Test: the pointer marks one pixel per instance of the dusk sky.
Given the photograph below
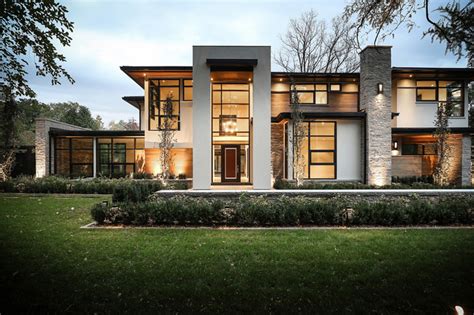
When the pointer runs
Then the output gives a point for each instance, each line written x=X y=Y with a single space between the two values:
x=109 y=34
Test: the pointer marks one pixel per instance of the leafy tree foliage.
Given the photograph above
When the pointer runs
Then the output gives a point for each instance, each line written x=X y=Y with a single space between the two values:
x=32 y=27
x=27 y=110
x=131 y=124
x=29 y=30
x=453 y=24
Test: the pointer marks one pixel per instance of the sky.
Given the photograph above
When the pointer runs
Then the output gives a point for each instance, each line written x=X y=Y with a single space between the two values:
x=110 y=34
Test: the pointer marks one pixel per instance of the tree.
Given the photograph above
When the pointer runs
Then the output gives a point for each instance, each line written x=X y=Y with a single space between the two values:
x=167 y=137
x=131 y=124
x=28 y=109
x=309 y=46
x=442 y=132
x=454 y=25
x=75 y=114
x=28 y=28
x=299 y=134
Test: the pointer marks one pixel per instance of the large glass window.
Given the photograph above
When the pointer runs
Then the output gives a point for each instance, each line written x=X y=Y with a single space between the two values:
x=164 y=114
x=119 y=157
x=319 y=150
x=74 y=157
x=444 y=92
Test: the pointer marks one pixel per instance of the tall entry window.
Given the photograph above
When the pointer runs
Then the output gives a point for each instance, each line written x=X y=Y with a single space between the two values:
x=231 y=132
x=319 y=150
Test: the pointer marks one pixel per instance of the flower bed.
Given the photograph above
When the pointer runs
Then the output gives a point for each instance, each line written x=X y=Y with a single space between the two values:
x=286 y=211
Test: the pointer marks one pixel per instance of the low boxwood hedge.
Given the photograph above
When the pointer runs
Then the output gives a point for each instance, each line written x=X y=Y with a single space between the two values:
x=124 y=189
x=397 y=183
x=286 y=211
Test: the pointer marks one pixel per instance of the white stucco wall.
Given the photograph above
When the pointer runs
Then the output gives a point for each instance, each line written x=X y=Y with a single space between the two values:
x=261 y=112
x=420 y=114
x=349 y=154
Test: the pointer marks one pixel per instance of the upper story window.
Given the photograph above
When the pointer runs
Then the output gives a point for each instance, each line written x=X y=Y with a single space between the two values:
x=187 y=90
x=312 y=93
x=164 y=114
x=444 y=92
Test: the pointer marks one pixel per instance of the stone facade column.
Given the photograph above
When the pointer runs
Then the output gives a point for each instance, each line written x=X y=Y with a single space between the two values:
x=466 y=163
x=375 y=69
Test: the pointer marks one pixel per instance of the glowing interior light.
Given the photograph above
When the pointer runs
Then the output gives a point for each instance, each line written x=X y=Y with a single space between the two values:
x=459 y=310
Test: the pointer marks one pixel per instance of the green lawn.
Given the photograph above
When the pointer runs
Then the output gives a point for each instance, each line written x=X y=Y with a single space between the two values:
x=49 y=265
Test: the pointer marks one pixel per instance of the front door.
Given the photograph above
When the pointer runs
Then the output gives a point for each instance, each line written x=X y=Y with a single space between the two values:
x=230 y=163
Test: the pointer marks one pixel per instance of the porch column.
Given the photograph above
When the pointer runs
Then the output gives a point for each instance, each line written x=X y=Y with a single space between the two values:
x=201 y=119
x=262 y=118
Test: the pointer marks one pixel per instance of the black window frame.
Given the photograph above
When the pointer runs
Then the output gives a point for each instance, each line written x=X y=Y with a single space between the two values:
x=110 y=164
x=437 y=89
x=184 y=88
x=152 y=106
x=334 y=151
x=70 y=151
x=314 y=92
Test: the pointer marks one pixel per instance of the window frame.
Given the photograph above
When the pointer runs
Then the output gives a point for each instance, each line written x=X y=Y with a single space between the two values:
x=309 y=151
x=111 y=154
x=187 y=86
x=437 y=94
x=314 y=92
x=150 y=103
x=70 y=151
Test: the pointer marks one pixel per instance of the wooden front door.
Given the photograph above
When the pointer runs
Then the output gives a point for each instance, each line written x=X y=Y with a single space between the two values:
x=230 y=163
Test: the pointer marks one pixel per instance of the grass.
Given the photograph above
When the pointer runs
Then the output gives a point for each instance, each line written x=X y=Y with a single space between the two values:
x=49 y=265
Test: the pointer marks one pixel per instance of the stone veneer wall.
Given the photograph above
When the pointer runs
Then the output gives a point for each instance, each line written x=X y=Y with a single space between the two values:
x=466 y=163
x=277 y=150
x=43 y=125
x=375 y=68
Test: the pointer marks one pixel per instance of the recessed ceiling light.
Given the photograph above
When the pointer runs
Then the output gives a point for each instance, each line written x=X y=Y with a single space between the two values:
x=281 y=79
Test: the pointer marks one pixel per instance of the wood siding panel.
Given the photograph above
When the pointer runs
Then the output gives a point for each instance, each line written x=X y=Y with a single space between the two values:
x=337 y=102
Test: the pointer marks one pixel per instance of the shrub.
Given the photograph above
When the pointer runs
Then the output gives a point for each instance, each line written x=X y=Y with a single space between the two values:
x=57 y=184
x=286 y=211
x=98 y=212
x=420 y=182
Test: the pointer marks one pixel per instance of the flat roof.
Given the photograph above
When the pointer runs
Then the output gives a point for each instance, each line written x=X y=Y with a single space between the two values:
x=96 y=133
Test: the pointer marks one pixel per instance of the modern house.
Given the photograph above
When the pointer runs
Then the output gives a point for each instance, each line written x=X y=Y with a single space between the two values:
x=233 y=122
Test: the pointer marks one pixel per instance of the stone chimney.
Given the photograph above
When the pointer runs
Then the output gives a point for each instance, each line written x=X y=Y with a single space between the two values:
x=375 y=100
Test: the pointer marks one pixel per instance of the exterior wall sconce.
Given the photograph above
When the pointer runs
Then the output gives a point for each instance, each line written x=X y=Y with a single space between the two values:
x=379 y=88
x=395 y=145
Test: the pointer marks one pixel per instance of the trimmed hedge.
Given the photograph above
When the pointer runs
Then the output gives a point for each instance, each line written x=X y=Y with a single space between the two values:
x=398 y=183
x=286 y=211
x=123 y=189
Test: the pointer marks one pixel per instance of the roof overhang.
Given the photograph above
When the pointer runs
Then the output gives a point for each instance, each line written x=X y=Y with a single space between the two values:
x=96 y=133
x=419 y=131
x=313 y=115
x=433 y=73
x=231 y=64
x=139 y=73
x=135 y=101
